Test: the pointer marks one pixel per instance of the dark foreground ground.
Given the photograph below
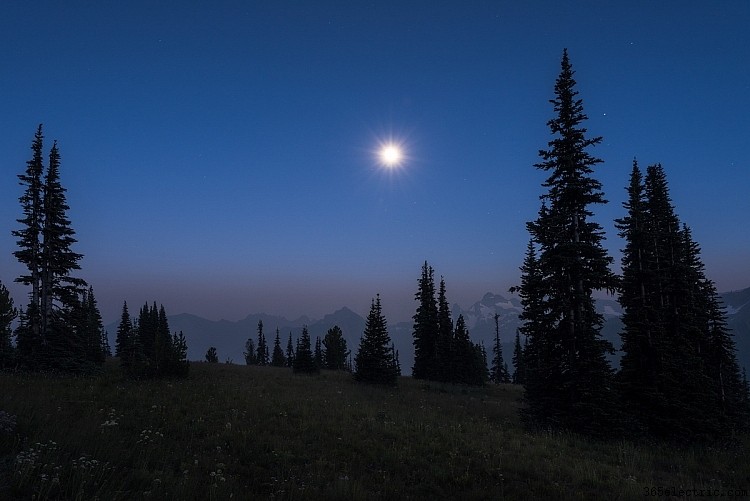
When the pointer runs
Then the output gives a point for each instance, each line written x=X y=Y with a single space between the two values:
x=238 y=432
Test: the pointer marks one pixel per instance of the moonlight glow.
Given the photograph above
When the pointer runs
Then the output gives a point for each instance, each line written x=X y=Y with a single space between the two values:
x=391 y=155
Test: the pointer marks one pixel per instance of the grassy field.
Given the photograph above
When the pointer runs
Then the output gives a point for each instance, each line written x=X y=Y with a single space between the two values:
x=238 y=432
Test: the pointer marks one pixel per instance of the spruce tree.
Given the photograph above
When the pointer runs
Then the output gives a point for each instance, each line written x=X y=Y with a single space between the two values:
x=8 y=313
x=425 y=331
x=30 y=334
x=518 y=367
x=375 y=361
x=304 y=362
x=679 y=375
x=278 y=359
x=211 y=356
x=570 y=384
x=499 y=370
x=58 y=290
x=180 y=365
x=318 y=353
x=289 y=352
x=336 y=352
x=262 y=351
x=444 y=359
x=249 y=353
x=464 y=355
x=124 y=331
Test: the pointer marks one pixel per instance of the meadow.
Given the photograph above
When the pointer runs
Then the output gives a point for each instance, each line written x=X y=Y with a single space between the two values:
x=248 y=432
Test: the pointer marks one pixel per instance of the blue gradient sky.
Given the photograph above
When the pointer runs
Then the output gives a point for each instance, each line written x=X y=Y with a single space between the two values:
x=219 y=156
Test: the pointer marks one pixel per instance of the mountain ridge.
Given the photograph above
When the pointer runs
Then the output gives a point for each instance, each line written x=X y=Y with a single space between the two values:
x=229 y=337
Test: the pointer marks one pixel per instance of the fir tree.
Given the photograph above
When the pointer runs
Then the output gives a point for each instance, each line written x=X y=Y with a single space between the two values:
x=132 y=359
x=249 y=353
x=8 y=313
x=679 y=376
x=262 y=351
x=336 y=352
x=124 y=331
x=304 y=361
x=518 y=367
x=211 y=356
x=499 y=370
x=92 y=329
x=289 y=352
x=58 y=290
x=444 y=356
x=375 y=361
x=464 y=355
x=570 y=383
x=396 y=362
x=30 y=334
x=180 y=365
x=278 y=359
x=425 y=331
x=318 y=353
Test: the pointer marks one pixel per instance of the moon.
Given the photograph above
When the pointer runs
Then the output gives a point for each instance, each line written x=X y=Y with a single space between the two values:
x=391 y=155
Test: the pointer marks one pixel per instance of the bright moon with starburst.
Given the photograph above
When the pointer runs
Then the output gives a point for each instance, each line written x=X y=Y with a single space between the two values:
x=391 y=155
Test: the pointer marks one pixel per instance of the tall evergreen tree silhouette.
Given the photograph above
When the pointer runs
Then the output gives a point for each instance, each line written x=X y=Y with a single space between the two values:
x=8 y=314
x=426 y=329
x=249 y=353
x=262 y=350
x=518 y=362
x=570 y=384
x=304 y=361
x=289 y=352
x=278 y=359
x=58 y=291
x=498 y=370
x=444 y=356
x=335 y=352
x=30 y=337
x=679 y=375
x=375 y=361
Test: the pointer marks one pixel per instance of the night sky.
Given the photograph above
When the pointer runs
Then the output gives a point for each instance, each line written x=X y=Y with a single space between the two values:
x=221 y=157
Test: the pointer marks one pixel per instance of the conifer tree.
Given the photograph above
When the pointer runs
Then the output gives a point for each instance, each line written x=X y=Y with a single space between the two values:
x=249 y=353
x=124 y=331
x=426 y=329
x=518 y=367
x=211 y=356
x=375 y=361
x=58 y=290
x=464 y=354
x=499 y=370
x=679 y=376
x=396 y=361
x=30 y=334
x=569 y=383
x=444 y=359
x=336 y=352
x=262 y=351
x=130 y=350
x=180 y=365
x=278 y=359
x=8 y=313
x=304 y=361
x=289 y=352
x=318 y=353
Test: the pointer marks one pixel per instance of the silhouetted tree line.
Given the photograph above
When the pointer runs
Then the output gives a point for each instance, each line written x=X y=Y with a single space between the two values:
x=145 y=346
x=61 y=327
x=679 y=375
x=444 y=352
x=330 y=353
